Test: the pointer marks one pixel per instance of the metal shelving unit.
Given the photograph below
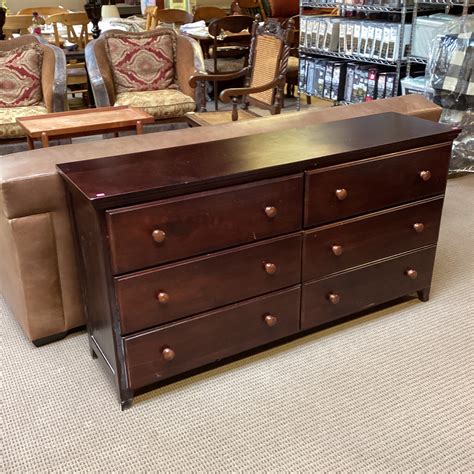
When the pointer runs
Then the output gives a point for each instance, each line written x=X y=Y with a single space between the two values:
x=421 y=5
x=397 y=63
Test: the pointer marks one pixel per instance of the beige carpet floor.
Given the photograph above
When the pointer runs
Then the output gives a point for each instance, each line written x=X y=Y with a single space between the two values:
x=392 y=391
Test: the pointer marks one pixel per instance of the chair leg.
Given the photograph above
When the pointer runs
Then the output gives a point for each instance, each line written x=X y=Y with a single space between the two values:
x=216 y=96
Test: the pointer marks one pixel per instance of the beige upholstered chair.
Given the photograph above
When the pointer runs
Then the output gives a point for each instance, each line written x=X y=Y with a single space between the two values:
x=264 y=76
x=36 y=84
x=149 y=70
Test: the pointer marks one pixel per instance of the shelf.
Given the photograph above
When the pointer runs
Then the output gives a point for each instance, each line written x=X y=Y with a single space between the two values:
x=361 y=8
x=353 y=57
x=418 y=60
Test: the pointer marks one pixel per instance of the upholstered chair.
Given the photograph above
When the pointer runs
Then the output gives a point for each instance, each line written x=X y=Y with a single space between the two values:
x=32 y=82
x=149 y=70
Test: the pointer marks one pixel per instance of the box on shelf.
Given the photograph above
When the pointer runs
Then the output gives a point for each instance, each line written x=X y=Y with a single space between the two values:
x=416 y=85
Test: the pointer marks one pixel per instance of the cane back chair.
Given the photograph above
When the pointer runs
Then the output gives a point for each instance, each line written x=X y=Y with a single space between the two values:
x=264 y=76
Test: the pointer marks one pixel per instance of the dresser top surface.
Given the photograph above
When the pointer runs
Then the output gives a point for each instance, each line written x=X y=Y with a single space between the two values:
x=116 y=180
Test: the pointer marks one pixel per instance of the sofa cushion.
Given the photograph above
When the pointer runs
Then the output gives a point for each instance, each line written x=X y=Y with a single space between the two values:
x=162 y=104
x=142 y=64
x=8 y=115
x=20 y=76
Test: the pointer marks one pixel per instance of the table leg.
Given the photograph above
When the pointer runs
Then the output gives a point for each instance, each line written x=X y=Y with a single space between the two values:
x=44 y=140
x=31 y=143
x=139 y=127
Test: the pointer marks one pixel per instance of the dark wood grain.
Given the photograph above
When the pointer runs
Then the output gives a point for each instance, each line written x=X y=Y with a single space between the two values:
x=374 y=184
x=368 y=286
x=139 y=177
x=368 y=238
x=203 y=222
x=210 y=337
x=201 y=284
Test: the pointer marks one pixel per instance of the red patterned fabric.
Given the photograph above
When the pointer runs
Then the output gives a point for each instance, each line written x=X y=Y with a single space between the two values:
x=20 y=76
x=142 y=63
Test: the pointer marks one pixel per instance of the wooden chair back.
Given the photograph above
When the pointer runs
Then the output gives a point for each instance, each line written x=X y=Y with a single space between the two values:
x=268 y=60
x=208 y=13
x=69 y=20
x=43 y=11
x=16 y=24
x=150 y=17
x=175 y=17
x=252 y=8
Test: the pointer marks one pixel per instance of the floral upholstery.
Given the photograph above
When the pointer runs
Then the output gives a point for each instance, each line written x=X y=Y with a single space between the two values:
x=162 y=104
x=142 y=64
x=8 y=115
x=20 y=76
x=225 y=65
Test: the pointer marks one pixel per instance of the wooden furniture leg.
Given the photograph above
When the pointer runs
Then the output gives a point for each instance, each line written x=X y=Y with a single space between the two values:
x=31 y=143
x=139 y=127
x=44 y=140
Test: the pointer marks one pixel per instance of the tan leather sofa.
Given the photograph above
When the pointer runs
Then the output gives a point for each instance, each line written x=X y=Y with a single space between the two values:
x=38 y=274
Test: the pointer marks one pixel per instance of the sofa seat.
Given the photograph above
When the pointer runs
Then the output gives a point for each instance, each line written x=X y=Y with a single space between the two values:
x=162 y=104
x=9 y=128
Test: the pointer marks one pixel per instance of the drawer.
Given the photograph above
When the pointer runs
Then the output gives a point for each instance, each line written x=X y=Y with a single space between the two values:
x=342 y=191
x=171 y=292
x=357 y=241
x=164 y=231
x=190 y=343
x=332 y=298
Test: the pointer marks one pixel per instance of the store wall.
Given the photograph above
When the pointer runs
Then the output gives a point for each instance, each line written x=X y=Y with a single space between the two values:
x=15 y=5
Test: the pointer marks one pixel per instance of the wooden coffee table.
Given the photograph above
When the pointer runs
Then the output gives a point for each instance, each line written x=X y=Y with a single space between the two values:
x=82 y=122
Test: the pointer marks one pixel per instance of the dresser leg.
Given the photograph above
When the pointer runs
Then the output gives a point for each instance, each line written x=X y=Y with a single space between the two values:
x=424 y=294
x=124 y=404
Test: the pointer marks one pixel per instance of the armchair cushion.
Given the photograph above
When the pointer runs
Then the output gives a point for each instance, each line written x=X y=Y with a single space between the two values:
x=143 y=63
x=8 y=115
x=162 y=104
x=20 y=76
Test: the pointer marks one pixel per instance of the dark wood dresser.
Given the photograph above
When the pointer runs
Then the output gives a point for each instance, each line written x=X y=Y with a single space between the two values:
x=193 y=254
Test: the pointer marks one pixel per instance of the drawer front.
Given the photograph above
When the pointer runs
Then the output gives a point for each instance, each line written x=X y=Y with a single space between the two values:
x=358 y=241
x=332 y=298
x=348 y=190
x=185 y=345
x=150 y=298
x=164 y=231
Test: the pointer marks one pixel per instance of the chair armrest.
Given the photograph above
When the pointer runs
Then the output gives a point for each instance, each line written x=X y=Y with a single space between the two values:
x=204 y=76
x=228 y=94
x=99 y=88
x=60 y=79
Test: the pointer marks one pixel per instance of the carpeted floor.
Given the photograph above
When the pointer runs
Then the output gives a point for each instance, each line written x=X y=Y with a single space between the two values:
x=392 y=391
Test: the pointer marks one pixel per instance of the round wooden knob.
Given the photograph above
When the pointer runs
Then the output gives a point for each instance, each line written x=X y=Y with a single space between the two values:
x=419 y=227
x=271 y=212
x=425 y=175
x=411 y=273
x=270 y=320
x=168 y=354
x=163 y=297
x=337 y=250
x=158 y=236
x=341 y=194
x=270 y=268
x=334 y=298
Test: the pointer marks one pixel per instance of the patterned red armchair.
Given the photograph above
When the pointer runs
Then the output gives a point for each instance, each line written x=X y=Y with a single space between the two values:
x=149 y=70
x=32 y=82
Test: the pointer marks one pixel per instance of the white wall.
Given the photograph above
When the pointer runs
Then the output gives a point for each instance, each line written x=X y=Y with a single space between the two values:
x=76 y=5
x=15 y=5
